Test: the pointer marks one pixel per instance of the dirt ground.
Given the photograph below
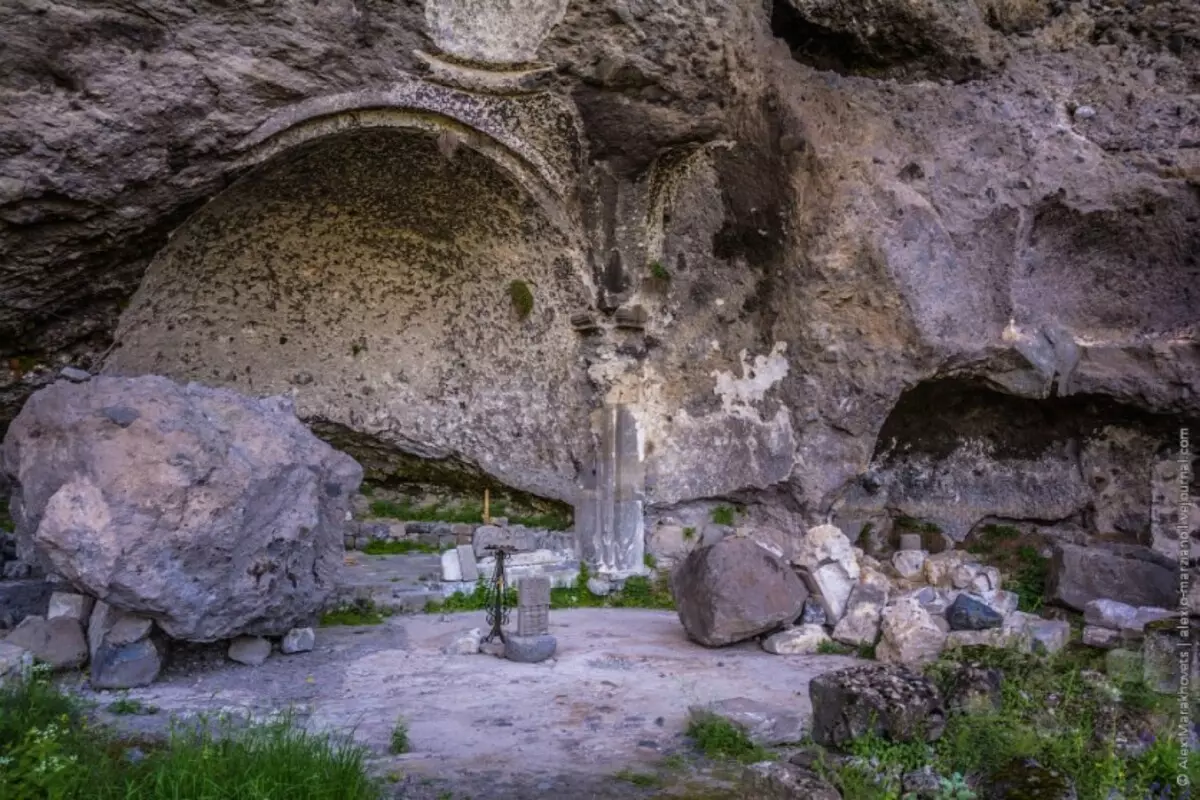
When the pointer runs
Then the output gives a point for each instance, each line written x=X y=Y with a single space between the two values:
x=615 y=698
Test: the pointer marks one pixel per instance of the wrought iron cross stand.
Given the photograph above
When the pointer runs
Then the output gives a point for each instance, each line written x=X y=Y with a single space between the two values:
x=497 y=610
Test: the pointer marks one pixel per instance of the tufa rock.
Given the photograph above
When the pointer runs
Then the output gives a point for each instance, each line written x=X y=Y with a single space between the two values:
x=888 y=699
x=216 y=513
x=734 y=590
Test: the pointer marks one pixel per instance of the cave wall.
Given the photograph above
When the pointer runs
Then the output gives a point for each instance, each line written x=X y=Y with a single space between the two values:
x=844 y=202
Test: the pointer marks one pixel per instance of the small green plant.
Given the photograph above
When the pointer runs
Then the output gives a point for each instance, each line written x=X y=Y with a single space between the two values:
x=723 y=515
x=6 y=523
x=913 y=525
x=380 y=547
x=689 y=533
x=659 y=272
x=128 y=705
x=643 y=779
x=955 y=788
x=866 y=651
x=361 y=612
x=721 y=739
x=650 y=561
x=399 y=739
x=522 y=298
x=832 y=648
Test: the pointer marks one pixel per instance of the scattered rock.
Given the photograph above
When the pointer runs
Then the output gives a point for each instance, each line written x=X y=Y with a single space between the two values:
x=909 y=564
x=72 y=606
x=15 y=662
x=465 y=644
x=887 y=698
x=127 y=666
x=530 y=649
x=57 y=642
x=1024 y=778
x=910 y=635
x=298 y=640
x=804 y=640
x=218 y=514
x=1136 y=576
x=21 y=598
x=827 y=562
x=969 y=614
x=765 y=724
x=734 y=590
x=772 y=780
x=860 y=625
x=974 y=688
x=253 y=651
x=1104 y=638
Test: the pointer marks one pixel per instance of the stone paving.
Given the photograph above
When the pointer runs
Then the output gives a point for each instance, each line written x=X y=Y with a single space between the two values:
x=615 y=697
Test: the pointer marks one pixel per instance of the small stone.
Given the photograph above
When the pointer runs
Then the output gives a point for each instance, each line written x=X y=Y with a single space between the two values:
x=910 y=564
x=804 y=640
x=530 y=649
x=860 y=625
x=1111 y=614
x=1085 y=112
x=1044 y=636
x=298 y=640
x=465 y=644
x=75 y=375
x=492 y=648
x=1104 y=638
x=969 y=614
x=599 y=587
x=58 y=642
x=252 y=651
x=910 y=542
x=71 y=606
x=15 y=662
x=765 y=724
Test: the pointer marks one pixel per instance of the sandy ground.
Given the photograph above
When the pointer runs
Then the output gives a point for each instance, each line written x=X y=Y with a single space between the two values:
x=615 y=698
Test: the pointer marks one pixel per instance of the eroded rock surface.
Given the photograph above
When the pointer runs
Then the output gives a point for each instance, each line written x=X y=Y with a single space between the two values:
x=211 y=513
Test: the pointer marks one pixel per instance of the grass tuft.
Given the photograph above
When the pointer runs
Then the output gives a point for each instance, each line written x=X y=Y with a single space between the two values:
x=719 y=738
x=723 y=515
x=522 y=298
x=399 y=741
x=129 y=706
x=362 y=612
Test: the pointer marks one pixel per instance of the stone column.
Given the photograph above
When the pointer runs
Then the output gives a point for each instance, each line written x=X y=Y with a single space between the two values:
x=609 y=519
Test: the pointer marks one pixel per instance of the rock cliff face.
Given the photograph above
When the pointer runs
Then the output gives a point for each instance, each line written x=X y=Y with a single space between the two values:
x=800 y=240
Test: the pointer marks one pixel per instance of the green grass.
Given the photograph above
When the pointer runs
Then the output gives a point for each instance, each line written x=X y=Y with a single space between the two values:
x=913 y=525
x=469 y=513
x=638 y=592
x=832 y=648
x=644 y=779
x=129 y=706
x=360 y=613
x=1050 y=712
x=720 y=739
x=723 y=515
x=379 y=547
x=6 y=522
x=659 y=272
x=50 y=750
x=522 y=298
x=1025 y=570
x=689 y=533
x=650 y=561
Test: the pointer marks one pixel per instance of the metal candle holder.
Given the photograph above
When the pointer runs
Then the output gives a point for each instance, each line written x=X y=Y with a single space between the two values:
x=497 y=609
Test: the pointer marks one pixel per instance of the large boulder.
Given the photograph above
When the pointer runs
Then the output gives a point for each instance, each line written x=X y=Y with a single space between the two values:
x=210 y=512
x=734 y=590
x=885 y=698
x=1128 y=574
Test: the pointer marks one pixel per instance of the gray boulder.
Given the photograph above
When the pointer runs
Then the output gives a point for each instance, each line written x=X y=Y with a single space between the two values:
x=127 y=666
x=886 y=698
x=298 y=640
x=57 y=642
x=253 y=651
x=1136 y=576
x=734 y=590
x=969 y=614
x=214 y=513
x=529 y=649
x=19 y=599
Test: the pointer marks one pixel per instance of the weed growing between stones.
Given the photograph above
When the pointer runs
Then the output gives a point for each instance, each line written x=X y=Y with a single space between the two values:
x=723 y=515
x=720 y=739
x=689 y=534
x=522 y=298
x=650 y=561
x=643 y=779
x=49 y=749
x=1024 y=568
x=399 y=741
x=659 y=272
x=362 y=612
x=832 y=648
x=1108 y=741
x=129 y=706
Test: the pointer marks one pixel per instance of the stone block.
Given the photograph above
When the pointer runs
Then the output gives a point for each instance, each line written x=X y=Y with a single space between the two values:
x=1103 y=638
x=910 y=542
x=970 y=614
x=467 y=565
x=533 y=592
x=909 y=634
x=533 y=620
x=1136 y=576
x=127 y=666
x=888 y=699
x=909 y=564
x=298 y=640
x=771 y=780
x=451 y=568
x=71 y=606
